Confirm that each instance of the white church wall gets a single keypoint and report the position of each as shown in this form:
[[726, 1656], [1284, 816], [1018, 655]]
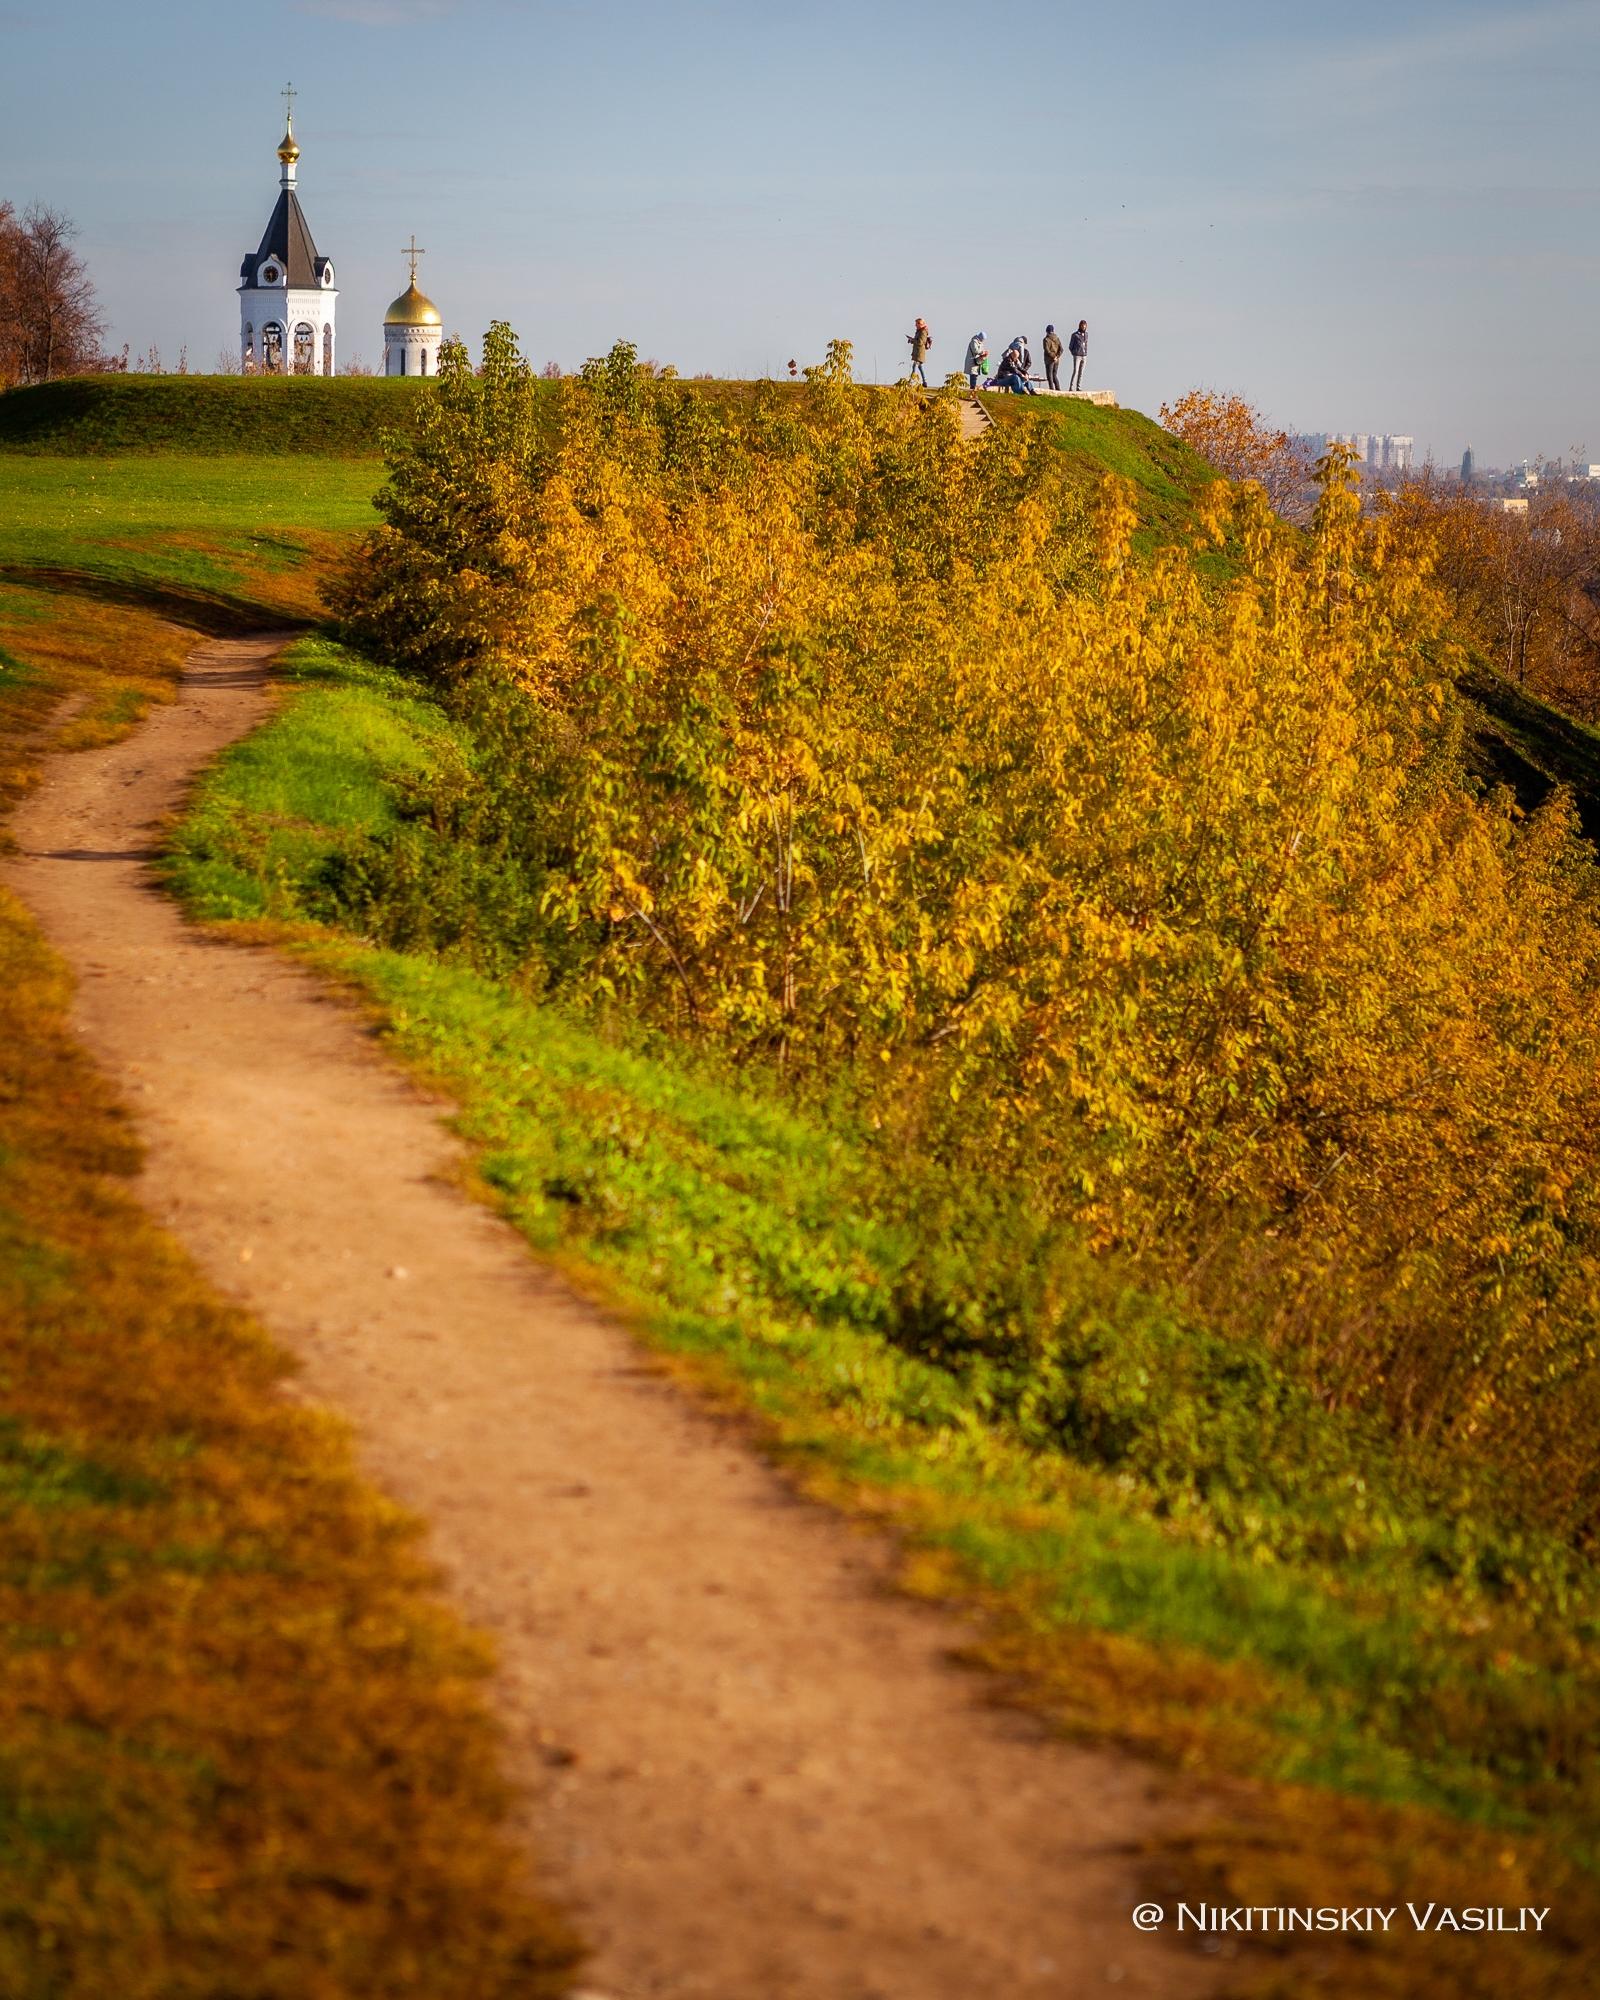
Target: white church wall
[[261, 308], [418, 345]]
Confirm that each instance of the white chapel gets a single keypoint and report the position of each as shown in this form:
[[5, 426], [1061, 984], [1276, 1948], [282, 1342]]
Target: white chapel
[[286, 291]]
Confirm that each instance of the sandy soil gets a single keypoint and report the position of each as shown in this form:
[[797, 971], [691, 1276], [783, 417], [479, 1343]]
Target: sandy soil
[[748, 1767]]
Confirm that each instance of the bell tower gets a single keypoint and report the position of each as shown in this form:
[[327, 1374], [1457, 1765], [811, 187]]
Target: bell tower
[[286, 291]]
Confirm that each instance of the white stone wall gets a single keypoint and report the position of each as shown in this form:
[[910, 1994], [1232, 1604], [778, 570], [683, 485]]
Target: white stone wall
[[417, 346]]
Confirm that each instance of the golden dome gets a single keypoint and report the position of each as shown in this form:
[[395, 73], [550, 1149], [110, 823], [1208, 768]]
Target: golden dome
[[413, 309], [288, 149]]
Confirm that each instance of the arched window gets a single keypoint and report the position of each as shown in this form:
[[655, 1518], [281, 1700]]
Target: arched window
[[305, 348], [424, 361], [402, 361], [272, 348]]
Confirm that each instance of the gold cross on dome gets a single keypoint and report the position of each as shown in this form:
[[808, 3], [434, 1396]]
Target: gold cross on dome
[[289, 94], [413, 251]]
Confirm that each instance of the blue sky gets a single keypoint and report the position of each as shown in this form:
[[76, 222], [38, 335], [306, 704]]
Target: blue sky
[[1364, 216]]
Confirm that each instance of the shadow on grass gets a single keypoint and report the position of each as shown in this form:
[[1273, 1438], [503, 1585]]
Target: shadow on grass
[[216, 613], [1530, 747]]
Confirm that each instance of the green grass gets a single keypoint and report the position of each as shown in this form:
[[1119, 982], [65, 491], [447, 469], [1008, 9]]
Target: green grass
[[1326, 1615], [185, 532], [111, 567], [320, 421], [314, 417], [1166, 474]]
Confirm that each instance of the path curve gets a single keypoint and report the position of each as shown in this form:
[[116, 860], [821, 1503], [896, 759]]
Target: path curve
[[748, 1768]]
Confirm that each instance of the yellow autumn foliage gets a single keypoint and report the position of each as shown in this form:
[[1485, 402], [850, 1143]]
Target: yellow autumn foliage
[[1154, 884]]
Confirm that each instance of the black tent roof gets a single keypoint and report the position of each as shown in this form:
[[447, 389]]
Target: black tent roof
[[288, 238]]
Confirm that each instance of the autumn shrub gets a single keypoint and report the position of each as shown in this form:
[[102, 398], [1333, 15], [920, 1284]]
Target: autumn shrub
[[832, 739], [1230, 433]]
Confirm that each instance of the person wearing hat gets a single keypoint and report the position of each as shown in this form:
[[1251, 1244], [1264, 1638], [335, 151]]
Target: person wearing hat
[[977, 359], [921, 340], [1052, 358]]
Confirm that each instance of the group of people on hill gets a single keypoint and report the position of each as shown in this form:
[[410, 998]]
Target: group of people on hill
[[1016, 361]]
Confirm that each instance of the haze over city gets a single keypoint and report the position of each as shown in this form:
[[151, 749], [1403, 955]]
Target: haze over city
[[1377, 218]]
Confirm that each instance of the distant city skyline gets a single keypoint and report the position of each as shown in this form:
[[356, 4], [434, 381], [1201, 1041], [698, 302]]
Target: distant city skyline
[[1379, 451], [1380, 216]]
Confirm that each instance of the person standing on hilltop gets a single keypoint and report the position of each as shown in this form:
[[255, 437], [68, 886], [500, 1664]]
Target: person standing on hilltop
[[1078, 348], [1052, 358], [921, 340], [977, 364]]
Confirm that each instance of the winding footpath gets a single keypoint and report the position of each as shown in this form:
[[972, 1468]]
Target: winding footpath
[[750, 1770]]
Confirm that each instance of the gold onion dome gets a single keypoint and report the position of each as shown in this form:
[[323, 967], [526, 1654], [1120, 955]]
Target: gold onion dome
[[289, 147], [412, 308]]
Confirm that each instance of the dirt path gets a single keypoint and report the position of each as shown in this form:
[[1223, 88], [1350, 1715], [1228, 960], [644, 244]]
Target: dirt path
[[752, 1771]]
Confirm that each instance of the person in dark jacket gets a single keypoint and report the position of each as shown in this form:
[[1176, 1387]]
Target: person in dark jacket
[[921, 340], [1052, 358], [1014, 369], [1078, 348]]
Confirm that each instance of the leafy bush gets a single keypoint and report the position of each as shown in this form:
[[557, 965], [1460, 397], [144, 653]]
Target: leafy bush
[[838, 741]]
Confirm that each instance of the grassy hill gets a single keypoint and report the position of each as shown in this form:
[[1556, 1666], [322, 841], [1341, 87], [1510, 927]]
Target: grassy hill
[[342, 417], [172, 478], [337, 417], [1167, 475]]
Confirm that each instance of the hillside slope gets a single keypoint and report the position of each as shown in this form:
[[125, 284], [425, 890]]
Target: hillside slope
[[1525, 744], [1518, 740], [91, 414], [95, 414], [1167, 475], [1168, 1546]]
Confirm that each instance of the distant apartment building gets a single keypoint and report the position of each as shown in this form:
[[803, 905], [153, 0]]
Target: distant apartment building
[[1378, 451]]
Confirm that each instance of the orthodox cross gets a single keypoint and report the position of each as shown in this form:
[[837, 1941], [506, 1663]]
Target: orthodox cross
[[413, 252], [289, 94]]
